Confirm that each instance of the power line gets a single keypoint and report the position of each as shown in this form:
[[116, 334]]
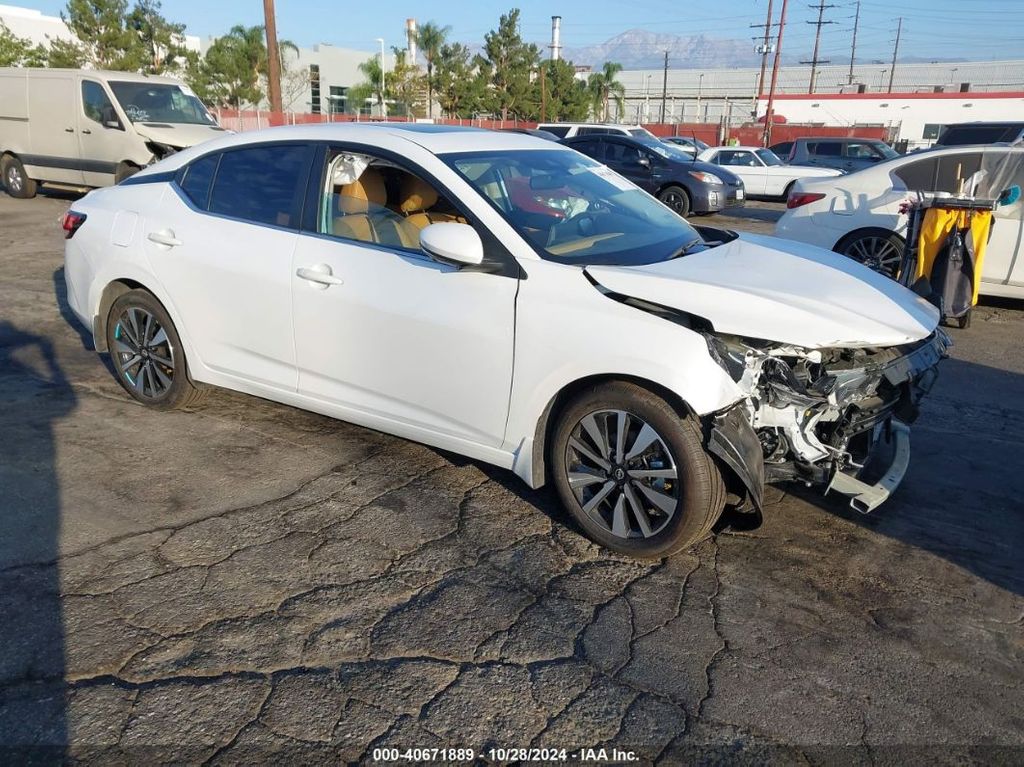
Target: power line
[[817, 41]]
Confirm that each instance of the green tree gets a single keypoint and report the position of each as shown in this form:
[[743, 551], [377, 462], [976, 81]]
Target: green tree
[[564, 96], [66, 54], [19, 51], [404, 84], [604, 87], [160, 39], [512, 61], [102, 28], [370, 87], [431, 38], [461, 84], [233, 70]]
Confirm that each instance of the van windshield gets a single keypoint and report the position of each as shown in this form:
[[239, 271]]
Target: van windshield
[[160, 103]]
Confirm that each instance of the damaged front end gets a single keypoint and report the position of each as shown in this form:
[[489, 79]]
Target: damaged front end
[[836, 418]]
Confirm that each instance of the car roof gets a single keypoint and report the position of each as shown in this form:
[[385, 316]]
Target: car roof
[[746, 147], [437, 139]]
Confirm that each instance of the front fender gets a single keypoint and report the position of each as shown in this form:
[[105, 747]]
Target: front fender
[[733, 440]]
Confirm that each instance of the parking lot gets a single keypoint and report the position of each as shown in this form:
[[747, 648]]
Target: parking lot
[[247, 581]]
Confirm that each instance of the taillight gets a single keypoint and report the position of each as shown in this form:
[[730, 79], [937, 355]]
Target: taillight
[[796, 199], [71, 222]]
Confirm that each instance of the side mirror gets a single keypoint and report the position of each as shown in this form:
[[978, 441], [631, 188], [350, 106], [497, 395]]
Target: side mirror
[[452, 243], [644, 161], [112, 124]]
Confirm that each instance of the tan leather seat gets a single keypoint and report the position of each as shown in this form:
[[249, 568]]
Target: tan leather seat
[[418, 197], [363, 214]]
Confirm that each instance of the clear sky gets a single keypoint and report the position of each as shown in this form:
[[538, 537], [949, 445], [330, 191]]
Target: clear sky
[[978, 29]]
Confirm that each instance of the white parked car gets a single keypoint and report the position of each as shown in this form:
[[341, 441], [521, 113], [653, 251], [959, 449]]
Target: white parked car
[[763, 173], [511, 300], [859, 214], [570, 130]]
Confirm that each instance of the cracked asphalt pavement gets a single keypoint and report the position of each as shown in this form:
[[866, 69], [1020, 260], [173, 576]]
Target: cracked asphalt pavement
[[247, 582]]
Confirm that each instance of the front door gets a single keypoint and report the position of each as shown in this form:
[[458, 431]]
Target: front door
[[633, 163], [101, 133], [382, 329], [1004, 254]]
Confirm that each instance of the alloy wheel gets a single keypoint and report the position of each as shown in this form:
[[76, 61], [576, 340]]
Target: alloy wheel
[[622, 473], [143, 353], [877, 253]]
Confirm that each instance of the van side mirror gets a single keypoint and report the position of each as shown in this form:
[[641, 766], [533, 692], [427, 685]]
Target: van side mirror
[[452, 243]]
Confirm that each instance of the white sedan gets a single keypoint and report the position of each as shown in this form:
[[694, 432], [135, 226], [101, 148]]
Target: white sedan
[[860, 215], [510, 300], [763, 173]]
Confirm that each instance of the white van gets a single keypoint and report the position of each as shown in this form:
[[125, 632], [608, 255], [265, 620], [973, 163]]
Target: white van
[[569, 130], [85, 128]]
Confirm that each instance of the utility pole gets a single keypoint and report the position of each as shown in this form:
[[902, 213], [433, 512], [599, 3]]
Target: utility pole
[[273, 57], [895, 51], [664, 88], [817, 41], [767, 135], [853, 47], [764, 48]]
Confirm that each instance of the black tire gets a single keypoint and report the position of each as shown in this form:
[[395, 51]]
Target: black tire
[[859, 246], [698, 488], [145, 376], [125, 170], [676, 198], [15, 181]]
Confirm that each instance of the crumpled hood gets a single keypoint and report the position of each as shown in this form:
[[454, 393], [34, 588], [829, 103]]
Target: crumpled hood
[[780, 290], [178, 135]]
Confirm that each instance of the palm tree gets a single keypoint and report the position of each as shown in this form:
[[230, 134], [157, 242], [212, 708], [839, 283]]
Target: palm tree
[[431, 37], [612, 87], [252, 47]]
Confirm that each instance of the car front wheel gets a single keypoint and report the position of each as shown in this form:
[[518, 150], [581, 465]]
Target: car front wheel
[[147, 355], [676, 198], [633, 472]]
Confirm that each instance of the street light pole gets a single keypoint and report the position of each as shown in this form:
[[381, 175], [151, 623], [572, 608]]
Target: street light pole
[[383, 102]]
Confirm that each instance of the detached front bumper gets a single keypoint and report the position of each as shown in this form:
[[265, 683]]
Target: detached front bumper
[[866, 498]]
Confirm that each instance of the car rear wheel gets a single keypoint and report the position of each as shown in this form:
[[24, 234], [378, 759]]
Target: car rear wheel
[[676, 198], [147, 355], [877, 249], [16, 182], [633, 472]]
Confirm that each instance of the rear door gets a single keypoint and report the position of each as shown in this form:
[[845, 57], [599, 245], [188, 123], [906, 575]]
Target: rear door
[[221, 245], [53, 128], [102, 136]]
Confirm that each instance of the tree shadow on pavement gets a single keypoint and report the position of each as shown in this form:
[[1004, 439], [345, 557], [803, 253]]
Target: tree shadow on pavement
[[36, 395]]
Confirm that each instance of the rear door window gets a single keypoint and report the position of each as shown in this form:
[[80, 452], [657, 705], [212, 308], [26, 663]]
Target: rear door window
[[559, 130], [825, 149], [262, 184]]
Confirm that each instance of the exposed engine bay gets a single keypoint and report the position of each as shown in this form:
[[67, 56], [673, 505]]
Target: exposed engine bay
[[821, 416]]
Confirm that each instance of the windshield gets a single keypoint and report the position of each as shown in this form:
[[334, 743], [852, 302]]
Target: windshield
[[160, 103], [640, 133], [886, 151], [768, 157], [668, 151], [574, 210]]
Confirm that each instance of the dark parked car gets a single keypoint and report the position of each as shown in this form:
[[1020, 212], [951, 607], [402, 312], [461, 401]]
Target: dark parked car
[[666, 171], [847, 154]]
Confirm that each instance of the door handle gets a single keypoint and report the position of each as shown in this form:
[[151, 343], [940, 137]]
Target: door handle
[[320, 275], [69, 130], [164, 237], [86, 130]]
